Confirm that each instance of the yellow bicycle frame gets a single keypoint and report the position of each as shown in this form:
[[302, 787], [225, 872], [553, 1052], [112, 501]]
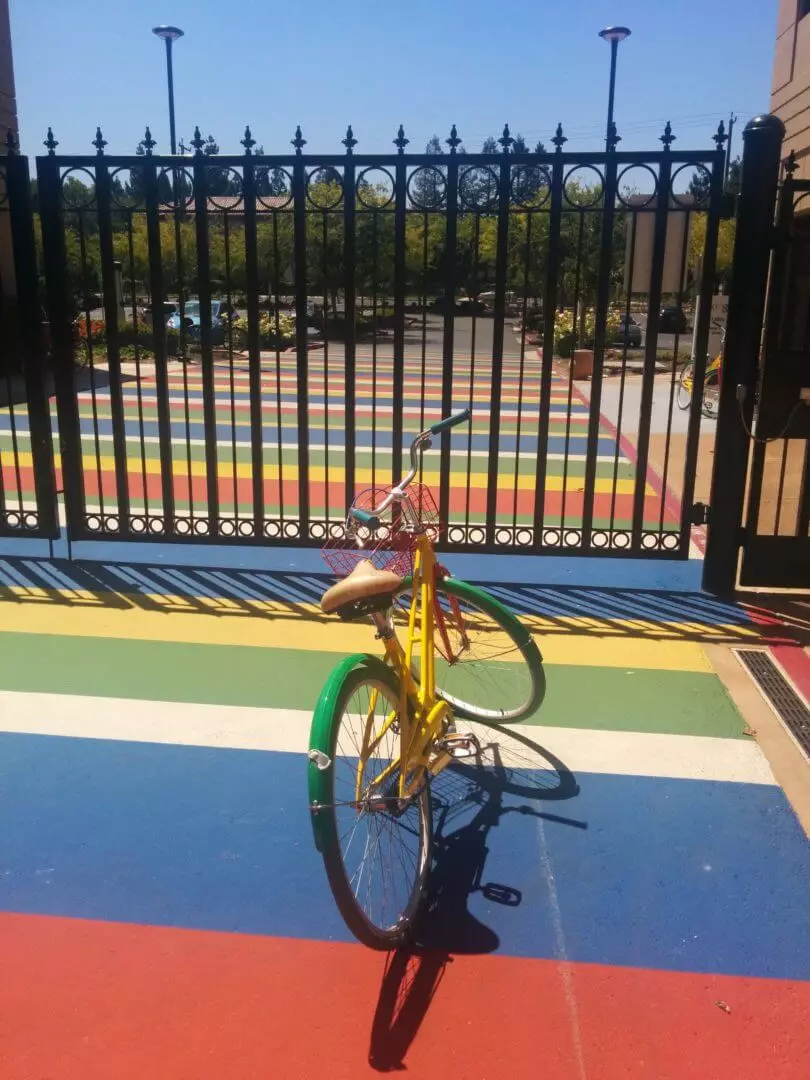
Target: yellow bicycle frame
[[420, 714]]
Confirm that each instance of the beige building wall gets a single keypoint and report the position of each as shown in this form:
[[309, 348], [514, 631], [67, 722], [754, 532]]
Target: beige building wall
[[790, 85], [8, 120]]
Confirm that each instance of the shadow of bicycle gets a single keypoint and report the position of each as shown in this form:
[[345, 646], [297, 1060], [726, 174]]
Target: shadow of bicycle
[[469, 800]]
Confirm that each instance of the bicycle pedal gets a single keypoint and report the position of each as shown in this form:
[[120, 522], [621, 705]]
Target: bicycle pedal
[[460, 744]]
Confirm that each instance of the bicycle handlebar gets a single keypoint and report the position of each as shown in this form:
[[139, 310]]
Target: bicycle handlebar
[[421, 443]]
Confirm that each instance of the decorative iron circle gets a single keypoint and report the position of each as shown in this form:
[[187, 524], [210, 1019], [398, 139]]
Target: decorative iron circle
[[167, 178], [685, 199], [317, 530], [595, 193], [276, 199], [235, 199], [291, 529], [93, 522], [477, 535], [272, 530], [427, 188], [551, 538], [621, 540], [30, 519], [3, 188], [121, 191], [227, 527], [327, 184], [72, 199], [572, 537], [157, 525], [456, 534], [182, 526], [599, 539], [650, 541], [530, 186], [13, 519], [384, 188], [625, 199], [478, 189], [246, 528], [524, 537], [670, 541], [202, 527], [111, 523], [337, 530], [137, 524], [503, 536]]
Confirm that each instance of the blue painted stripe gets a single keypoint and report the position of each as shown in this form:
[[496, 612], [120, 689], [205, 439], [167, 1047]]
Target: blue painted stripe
[[678, 875]]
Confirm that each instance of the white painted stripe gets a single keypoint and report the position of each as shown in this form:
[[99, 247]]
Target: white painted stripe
[[623, 753]]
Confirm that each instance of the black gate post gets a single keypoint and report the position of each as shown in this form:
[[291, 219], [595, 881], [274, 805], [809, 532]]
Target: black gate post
[[762, 141]]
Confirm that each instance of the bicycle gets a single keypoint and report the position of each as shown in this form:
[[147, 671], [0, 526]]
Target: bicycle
[[711, 385], [383, 728]]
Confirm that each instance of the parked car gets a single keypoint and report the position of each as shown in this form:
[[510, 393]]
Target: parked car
[[671, 320], [146, 313], [221, 312], [629, 332]]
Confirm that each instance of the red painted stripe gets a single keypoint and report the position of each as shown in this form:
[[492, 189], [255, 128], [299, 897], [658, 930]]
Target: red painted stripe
[[796, 664], [87, 1000]]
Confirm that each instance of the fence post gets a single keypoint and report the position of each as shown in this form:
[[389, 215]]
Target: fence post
[[762, 141]]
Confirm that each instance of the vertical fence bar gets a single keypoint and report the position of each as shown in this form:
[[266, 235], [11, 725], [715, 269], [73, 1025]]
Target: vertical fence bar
[[111, 334], [299, 183], [700, 347], [499, 316], [451, 238], [159, 342], [49, 183], [200, 184], [549, 312], [600, 333], [651, 348], [254, 349], [399, 318], [23, 246], [762, 140], [349, 305]]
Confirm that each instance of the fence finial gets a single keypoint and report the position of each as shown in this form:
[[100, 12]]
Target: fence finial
[[791, 165], [99, 142], [11, 143], [198, 142], [720, 138], [400, 142], [148, 142], [454, 140], [614, 138], [506, 139], [248, 142], [299, 142], [559, 139], [50, 142], [668, 138], [349, 141]]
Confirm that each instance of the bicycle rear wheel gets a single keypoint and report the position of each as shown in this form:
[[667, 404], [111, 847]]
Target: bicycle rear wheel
[[488, 666], [376, 851], [685, 384]]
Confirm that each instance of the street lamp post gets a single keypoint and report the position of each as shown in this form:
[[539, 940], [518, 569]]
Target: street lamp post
[[612, 34], [170, 34]]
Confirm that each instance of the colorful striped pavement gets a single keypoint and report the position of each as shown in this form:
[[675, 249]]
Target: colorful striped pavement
[[628, 899], [565, 438]]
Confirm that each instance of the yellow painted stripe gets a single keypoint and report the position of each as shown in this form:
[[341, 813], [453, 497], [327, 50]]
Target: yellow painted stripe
[[279, 625]]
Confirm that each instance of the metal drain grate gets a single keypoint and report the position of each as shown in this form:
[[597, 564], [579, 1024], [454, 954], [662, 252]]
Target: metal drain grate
[[781, 696]]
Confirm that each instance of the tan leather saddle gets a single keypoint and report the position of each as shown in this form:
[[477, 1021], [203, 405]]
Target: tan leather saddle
[[365, 590]]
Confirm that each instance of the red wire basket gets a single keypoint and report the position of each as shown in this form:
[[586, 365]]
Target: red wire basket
[[390, 547]]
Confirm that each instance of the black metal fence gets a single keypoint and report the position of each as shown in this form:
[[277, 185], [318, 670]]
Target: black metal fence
[[240, 343]]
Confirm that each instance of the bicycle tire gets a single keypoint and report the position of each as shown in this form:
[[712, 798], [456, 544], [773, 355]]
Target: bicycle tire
[[331, 774], [508, 677], [684, 397]]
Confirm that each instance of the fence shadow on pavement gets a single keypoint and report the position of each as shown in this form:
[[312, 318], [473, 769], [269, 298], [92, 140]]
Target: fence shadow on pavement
[[469, 799], [279, 595]]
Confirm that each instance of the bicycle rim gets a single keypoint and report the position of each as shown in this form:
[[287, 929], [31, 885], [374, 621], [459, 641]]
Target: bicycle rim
[[487, 664], [377, 854], [685, 387]]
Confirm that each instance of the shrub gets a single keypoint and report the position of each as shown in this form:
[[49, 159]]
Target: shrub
[[565, 341]]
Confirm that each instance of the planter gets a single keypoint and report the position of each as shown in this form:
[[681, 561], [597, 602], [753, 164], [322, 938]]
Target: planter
[[582, 364]]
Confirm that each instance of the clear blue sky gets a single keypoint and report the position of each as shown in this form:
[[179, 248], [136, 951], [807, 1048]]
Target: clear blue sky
[[424, 63]]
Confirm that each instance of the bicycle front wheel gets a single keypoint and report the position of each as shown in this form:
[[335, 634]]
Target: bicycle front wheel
[[376, 849], [685, 384], [488, 666]]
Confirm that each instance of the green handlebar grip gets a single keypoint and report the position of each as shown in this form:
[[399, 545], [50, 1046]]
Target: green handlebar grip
[[451, 421], [366, 517]]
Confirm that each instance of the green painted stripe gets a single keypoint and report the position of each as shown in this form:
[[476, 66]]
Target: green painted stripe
[[608, 699]]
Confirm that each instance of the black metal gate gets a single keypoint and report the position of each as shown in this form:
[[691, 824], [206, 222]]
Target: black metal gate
[[240, 343], [776, 542], [27, 482]]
